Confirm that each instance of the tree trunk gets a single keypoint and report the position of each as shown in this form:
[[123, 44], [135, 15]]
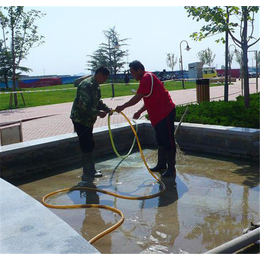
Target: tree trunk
[[115, 75], [226, 62], [245, 59], [246, 79], [13, 69], [6, 81]]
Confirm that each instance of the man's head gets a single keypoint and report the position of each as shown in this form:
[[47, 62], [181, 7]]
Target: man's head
[[101, 75], [137, 69]]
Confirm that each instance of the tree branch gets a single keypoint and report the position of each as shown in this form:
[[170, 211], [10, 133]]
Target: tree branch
[[253, 43], [252, 30], [235, 40]]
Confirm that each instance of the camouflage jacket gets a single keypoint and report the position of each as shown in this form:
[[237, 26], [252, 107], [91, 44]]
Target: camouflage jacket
[[87, 102]]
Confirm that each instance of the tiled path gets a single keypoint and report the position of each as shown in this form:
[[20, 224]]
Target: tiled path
[[53, 120]]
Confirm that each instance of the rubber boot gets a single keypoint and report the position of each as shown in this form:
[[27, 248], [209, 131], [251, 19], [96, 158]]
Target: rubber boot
[[89, 166], [171, 170], [161, 164]]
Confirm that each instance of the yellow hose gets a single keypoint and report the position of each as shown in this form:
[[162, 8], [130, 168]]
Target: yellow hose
[[119, 223], [112, 141]]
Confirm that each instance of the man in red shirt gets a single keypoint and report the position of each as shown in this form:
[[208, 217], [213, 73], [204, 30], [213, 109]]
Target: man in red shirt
[[161, 110]]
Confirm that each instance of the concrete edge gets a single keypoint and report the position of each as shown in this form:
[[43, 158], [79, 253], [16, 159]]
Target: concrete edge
[[210, 128], [28, 227], [57, 138]]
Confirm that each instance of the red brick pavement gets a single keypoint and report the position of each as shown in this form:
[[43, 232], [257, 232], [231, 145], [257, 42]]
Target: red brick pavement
[[58, 122]]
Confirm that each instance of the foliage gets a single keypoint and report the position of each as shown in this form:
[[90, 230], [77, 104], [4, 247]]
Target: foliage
[[206, 56], [6, 66], [232, 113], [221, 19], [19, 32], [19, 36], [171, 61], [109, 54], [97, 59], [217, 22]]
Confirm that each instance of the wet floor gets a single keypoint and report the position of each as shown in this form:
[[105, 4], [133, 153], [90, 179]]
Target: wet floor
[[214, 200]]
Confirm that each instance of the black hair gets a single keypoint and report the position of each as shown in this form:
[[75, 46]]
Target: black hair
[[136, 65], [102, 70]]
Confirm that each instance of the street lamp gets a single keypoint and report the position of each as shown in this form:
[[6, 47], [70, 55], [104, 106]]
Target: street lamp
[[181, 61]]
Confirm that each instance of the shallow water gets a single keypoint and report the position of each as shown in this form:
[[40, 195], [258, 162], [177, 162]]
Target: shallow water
[[214, 200]]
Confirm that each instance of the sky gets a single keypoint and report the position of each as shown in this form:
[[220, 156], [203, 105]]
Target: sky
[[74, 31]]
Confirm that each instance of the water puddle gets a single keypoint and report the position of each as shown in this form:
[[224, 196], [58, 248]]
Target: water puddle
[[215, 199]]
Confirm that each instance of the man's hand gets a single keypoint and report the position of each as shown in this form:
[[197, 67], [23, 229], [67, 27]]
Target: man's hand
[[102, 114], [110, 111], [134, 100], [136, 115], [119, 108]]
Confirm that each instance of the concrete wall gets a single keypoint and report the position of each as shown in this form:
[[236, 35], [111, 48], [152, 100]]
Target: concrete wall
[[222, 140], [39, 156]]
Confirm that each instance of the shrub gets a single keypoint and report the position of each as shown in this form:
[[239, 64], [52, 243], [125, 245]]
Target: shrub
[[232, 113]]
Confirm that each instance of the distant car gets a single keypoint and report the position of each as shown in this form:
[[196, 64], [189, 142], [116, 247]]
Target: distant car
[[251, 73]]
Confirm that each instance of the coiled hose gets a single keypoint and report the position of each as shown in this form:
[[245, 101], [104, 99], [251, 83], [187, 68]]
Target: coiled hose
[[119, 223]]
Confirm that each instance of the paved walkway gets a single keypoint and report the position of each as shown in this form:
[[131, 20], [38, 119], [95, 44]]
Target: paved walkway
[[54, 120]]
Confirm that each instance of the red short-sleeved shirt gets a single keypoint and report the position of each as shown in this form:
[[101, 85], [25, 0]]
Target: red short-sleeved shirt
[[159, 104]]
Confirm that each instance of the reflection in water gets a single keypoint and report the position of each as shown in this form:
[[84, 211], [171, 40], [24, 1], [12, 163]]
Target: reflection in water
[[216, 230], [166, 227], [223, 225], [93, 222]]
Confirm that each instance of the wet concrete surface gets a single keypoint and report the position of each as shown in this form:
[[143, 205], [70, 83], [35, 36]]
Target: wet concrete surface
[[214, 200]]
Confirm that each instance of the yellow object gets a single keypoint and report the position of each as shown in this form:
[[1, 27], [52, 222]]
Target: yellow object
[[119, 223], [209, 72], [112, 141]]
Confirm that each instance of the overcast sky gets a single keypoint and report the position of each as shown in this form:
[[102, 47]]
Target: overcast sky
[[73, 32]]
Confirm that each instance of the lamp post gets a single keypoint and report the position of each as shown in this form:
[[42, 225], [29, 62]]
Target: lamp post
[[256, 69], [181, 61], [229, 59]]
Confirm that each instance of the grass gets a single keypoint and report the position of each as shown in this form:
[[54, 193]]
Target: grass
[[67, 93]]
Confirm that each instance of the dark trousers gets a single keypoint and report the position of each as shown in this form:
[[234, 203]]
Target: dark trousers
[[165, 132], [85, 135]]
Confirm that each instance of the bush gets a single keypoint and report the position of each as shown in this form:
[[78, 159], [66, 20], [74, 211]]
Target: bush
[[232, 113]]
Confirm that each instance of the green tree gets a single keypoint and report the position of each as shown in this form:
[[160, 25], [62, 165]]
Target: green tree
[[6, 66], [239, 57], [97, 59], [19, 36], [110, 53], [219, 21], [206, 56], [171, 61]]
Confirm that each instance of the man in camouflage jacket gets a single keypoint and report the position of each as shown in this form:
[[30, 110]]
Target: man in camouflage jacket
[[86, 107]]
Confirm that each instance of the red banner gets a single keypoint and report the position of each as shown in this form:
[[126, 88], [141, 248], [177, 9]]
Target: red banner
[[34, 83]]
